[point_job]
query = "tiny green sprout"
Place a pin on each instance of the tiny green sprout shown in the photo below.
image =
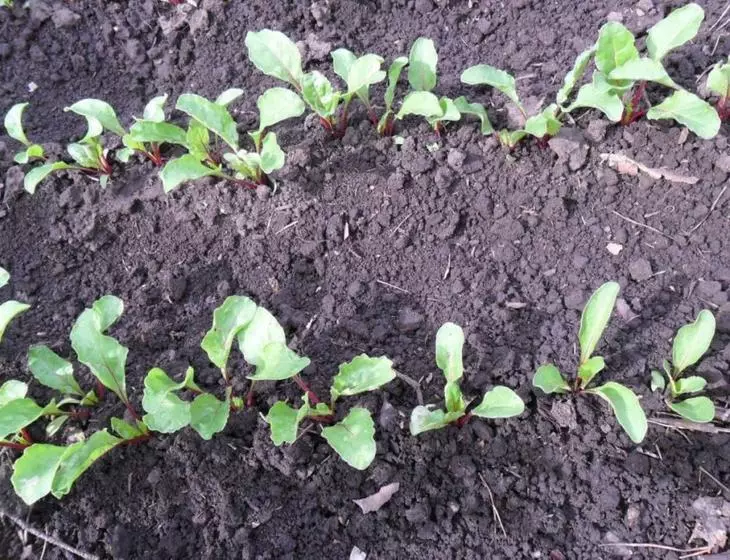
(14, 126)
(498, 402)
(623, 401)
(353, 438)
(718, 82)
(385, 124)
(150, 132)
(690, 344)
(9, 309)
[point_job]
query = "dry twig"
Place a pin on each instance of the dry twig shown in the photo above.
(495, 512)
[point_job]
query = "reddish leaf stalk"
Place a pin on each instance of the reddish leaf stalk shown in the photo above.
(11, 445)
(304, 387)
(26, 436)
(723, 108)
(461, 422)
(137, 440)
(632, 112)
(372, 116)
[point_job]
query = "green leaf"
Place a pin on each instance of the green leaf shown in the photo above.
(575, 74)
(4, 277)
(197, 140)
(183, 169)
(166, 412)
(353, 439)
(449, 112)
(364, 72)
(550, 380)
(55, 425)
(696, 409)
(423, 103)
(394, 72)
(277, 104)
(692, 341)
(78, 458)
(208, 415)
(272, 156)
(38, 174)
(53, 371)
(362, 374)
(691, 111)
(449, 346)
(8, 311)
(284, 423)
(643, 69)
(246, 164)
(691, 384)
(16, 415)
(615, 47)
(124, 429)
(212, 116)
(158, 133)
(33, 473)
(476, 109)
(14, 123)
(319, 94)
(124, 154)
(674, 30)
(424, 419)
(85, 155)
(595, 317)
(102, 354)
(599, 97)
(510, 138)
(275, 55)
(544, 124)
(589, 369)
(342, 60)
(484, 74)
(454, 397)
(100, 111)
(422, 62)
(229, 319)
(154, 111)
(11, 390)
(626, 407)
(658, 383)
(718, 80)
(500, 402)
(262, 330)
(278, 362)
(228, 96)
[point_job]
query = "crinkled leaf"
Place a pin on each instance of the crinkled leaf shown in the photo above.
(262, 330)
(38, 174)
(454, 397)
(575, 74)
(364, 72)
(101, 111)
(449, 112)
(696, 409)
(158, 133)
(692, 341)
(166, 412)
(284, 423)
(424, 418)
(643, 69)
(353, 439)
(423, 103)
(33, 473)
(78, 458)
(16, 415)
(8, 311)
(599, 97)
(595, 317)
(272, 156)
(674, 30)
(449, 347)
(229, 319)
(228, 96)
(589, 369)
(278, 362)
(484, 74)
(718, 80)
(691, 384)
(14, 123)
(658, 383)
(500, 402)
(53, 371)
(422, 62)
(626, 407)
(275, 55)
(208, 415)
(476, 109)
(691, 111)
(277, 104)
(615, 47)
(550, 380)
(154, 111)
(183, 169)
(544, 124)
(11, 390)
(362, 374)
(394, 72)
(318, 92)
(214, 117)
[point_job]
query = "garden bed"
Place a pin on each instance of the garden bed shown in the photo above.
(369, 246)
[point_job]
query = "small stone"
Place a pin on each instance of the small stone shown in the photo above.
(570, 146)
(708, 289)
(456, 159)
(409, 320)
(13, 183)
(508, 228)
(645, 5)
(723, 163)
(319, 11)
(614, 248)
(198, 21)
(316, 48)
(388, 417)
(574, 300)
(596, 131)
(564, 414)
(423, 6)
(640, 270)
(632, 515)
(355, 289)
(615, 16)
(723, 319)
(263, 192)
(154, 477)
(63, 17)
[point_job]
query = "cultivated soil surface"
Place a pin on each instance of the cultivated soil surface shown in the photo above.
(369, 246)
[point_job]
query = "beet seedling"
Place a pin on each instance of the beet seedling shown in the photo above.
(147, 134)
(623, 401)
(14, 126)
(353, 438)
(385, 124)
(718, 82)
(498, 402)
(9, 309)
(690, 344)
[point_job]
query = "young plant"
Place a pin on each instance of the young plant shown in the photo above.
(276, 55)
(352, 438)
(9, 309)
(385, 124)
(690, 344)
(14, 126)
(620, 77)
(718, 82)
(210, 123)
(499, 402)
(152, 125)
(623, 401)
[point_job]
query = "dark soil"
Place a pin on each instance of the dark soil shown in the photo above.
(368, 247)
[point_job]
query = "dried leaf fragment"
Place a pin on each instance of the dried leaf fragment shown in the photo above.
(375, 501)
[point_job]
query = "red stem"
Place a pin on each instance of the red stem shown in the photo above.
(131, 410)
(138, 439)
(100, 390)
(372, 116)
(250, 396)
(461, 422)
(11, 445)
(304, 387)
(26, 436)
(633, 113)
(326, 124)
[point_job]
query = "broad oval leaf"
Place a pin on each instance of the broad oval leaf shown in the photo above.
(284, 423)
(643, 69)
(208, 415)
(124, 429)
(78, 458)
(99, 110)
(342, 60)
(615, 47)
(658, 383)
(33, 473)
(674, 30)
(38, 174)
(364, 72)
(362, 374)
(183, 169)
(595, 96)
(449, 345)
(550, 380)
(53, 371)
(500, 402)
(424, 419)
(394, 72)
(158, 133)
(718, 80)
(228, 96)
(696, 409)
(272, 156)
(14, 123)
(626, 407)
(484, 74)
(166, 412)
(575, 74)
(262, 330)
(691, 384)
(423, 103)
(692, 341)
(229, 319)
(214, 117)
(449, 112)
(353, 439)
(588, 370)
(8, 311)
(595, 317)
(16, 415)
(422, 62)
(277, 104)
(154, 111)
(318, 92)
(11, 390)
(275, 55)
(691, 111)
(476, 109)
(278, 362)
